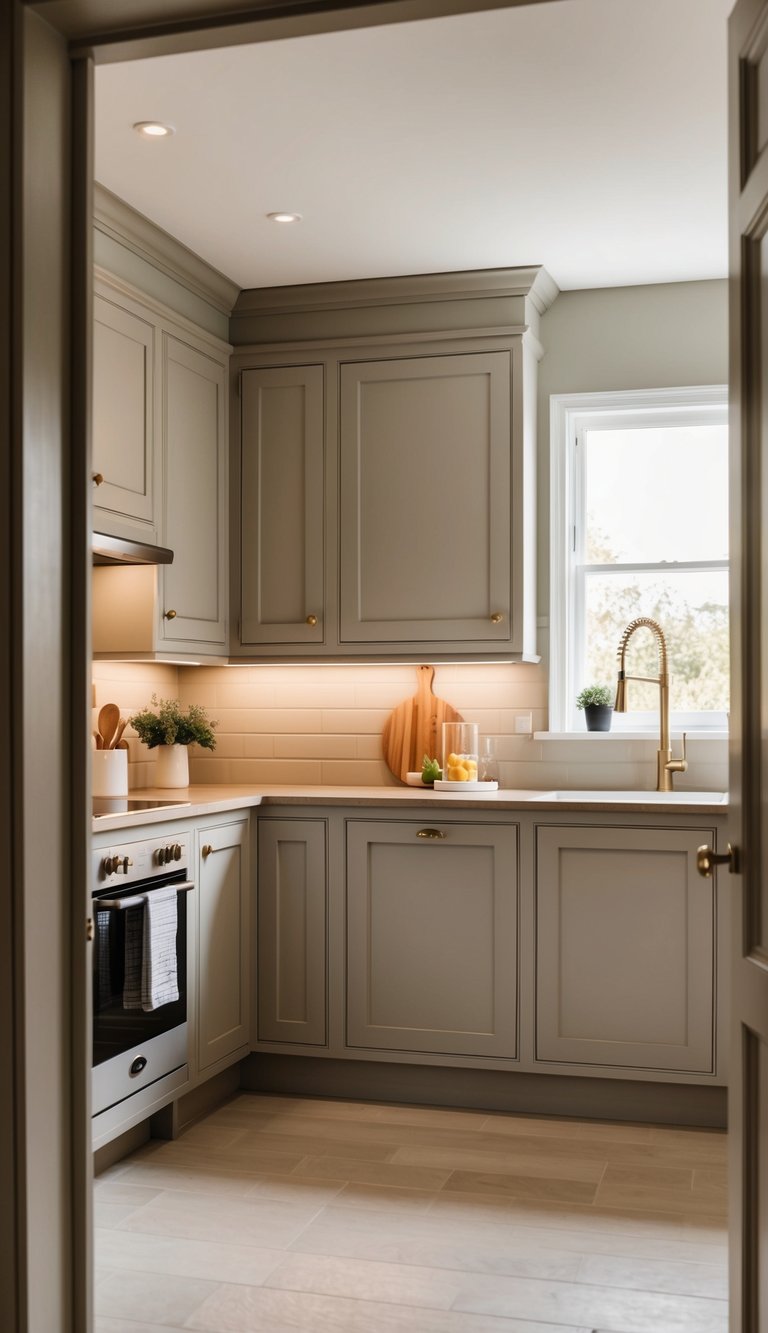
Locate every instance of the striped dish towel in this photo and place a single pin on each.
(159, 974)
(134, 951)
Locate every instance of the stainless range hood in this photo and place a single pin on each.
(122, 551)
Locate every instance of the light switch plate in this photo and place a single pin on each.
(523, 724)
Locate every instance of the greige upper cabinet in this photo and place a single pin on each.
(281, 509)
(193, 611)
(426, 500)
(124, 412)
(387, 460)
(625, 950)
(432, 938)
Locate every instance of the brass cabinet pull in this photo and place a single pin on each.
(706, 860)
(207, 849)
(496, 618)
(90, 929)
(170, 615)
(311, 620)
(98, 478)
(431, 833)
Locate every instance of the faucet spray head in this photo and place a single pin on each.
(620, 706)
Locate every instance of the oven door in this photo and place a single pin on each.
(133, 1047)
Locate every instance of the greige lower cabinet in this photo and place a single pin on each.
(432, 937)
(292, 931)
(223, 953)
(625, 949)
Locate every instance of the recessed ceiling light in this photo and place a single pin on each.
(154, 129)
(284, 217)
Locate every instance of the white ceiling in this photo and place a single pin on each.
(585, 135)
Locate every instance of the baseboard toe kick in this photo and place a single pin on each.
(490, 1090)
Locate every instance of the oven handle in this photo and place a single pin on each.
(120, 904)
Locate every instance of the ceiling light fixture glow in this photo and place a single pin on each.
(284, 217)
(154, 129)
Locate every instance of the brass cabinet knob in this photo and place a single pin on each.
(496, 618)
(706, 860)
(90, 929)
(207, 849)
(98, 478)
(311, 620)
(170, 615)
(431, 833)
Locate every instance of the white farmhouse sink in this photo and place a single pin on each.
(660, 797)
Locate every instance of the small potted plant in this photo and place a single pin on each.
(597, 702)
(171, 728)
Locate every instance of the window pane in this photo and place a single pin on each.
(692, 609)
(656, 494)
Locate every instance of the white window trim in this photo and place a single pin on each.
(567, 413)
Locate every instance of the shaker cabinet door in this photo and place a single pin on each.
(123, 421)
(194, 587)
(625, 949)
(426, 509)
(432, 938)
(281, 506)
(223, 891)
(292, 931)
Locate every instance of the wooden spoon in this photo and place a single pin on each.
(109, 720)
(119, 733)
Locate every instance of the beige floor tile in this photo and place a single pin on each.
(172, 1255)
(588, 1217)
(296, 1136)
(384, 1198)
(256, 1162)
(245, 1309)
(159, 1297)
(106, 1324)
(267, 1223)
(654, 1198)
(711, 1178)
(367, 1280)
(506, 1163)
(659, 1275)
(521, 1186)
(597, 1307)
(124, 1191)
(107, 1214)
(290, 1190)
(665, 1177)
(372, 1173)
(203, 1179)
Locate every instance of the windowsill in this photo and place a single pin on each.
(702, 734)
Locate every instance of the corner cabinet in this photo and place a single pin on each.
(223, 943)
(432, 938)
(161, 475)
(626, 934)
(386, 454)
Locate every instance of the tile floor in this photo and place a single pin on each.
(279, 1214)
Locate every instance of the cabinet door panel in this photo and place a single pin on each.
(123, 404)
(625, 942)
(282, 497)
(194, 586)
(432, 939)
(223, 907)
(292, 931)
(425, 499)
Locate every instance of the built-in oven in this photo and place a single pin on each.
(135, 1043)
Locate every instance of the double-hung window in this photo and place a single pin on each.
(639, 514)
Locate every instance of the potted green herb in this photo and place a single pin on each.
(169, 728)
(597, 702)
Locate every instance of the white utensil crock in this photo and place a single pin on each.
(109, 772)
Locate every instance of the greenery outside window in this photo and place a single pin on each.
(639, 515)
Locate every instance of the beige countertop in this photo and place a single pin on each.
(195, 801)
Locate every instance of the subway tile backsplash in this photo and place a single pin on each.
(322, 725)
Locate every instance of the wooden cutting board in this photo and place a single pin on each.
(415, 728)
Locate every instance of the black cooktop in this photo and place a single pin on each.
(128, 805)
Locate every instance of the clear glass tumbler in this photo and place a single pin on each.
(460, 751)
(488, 764)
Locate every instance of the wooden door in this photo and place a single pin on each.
(432, 938)
(292, 931)
(426, 513)
(282, 490)
(748, 816)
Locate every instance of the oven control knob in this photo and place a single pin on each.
(110, 864)
(176, 851)
(138, 1066)
(161, 855)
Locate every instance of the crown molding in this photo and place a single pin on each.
(144, 238)
(533, 283)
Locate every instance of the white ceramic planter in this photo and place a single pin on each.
(172, 767)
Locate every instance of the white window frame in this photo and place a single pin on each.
(570, 416)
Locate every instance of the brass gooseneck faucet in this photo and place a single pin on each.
(665, 764)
